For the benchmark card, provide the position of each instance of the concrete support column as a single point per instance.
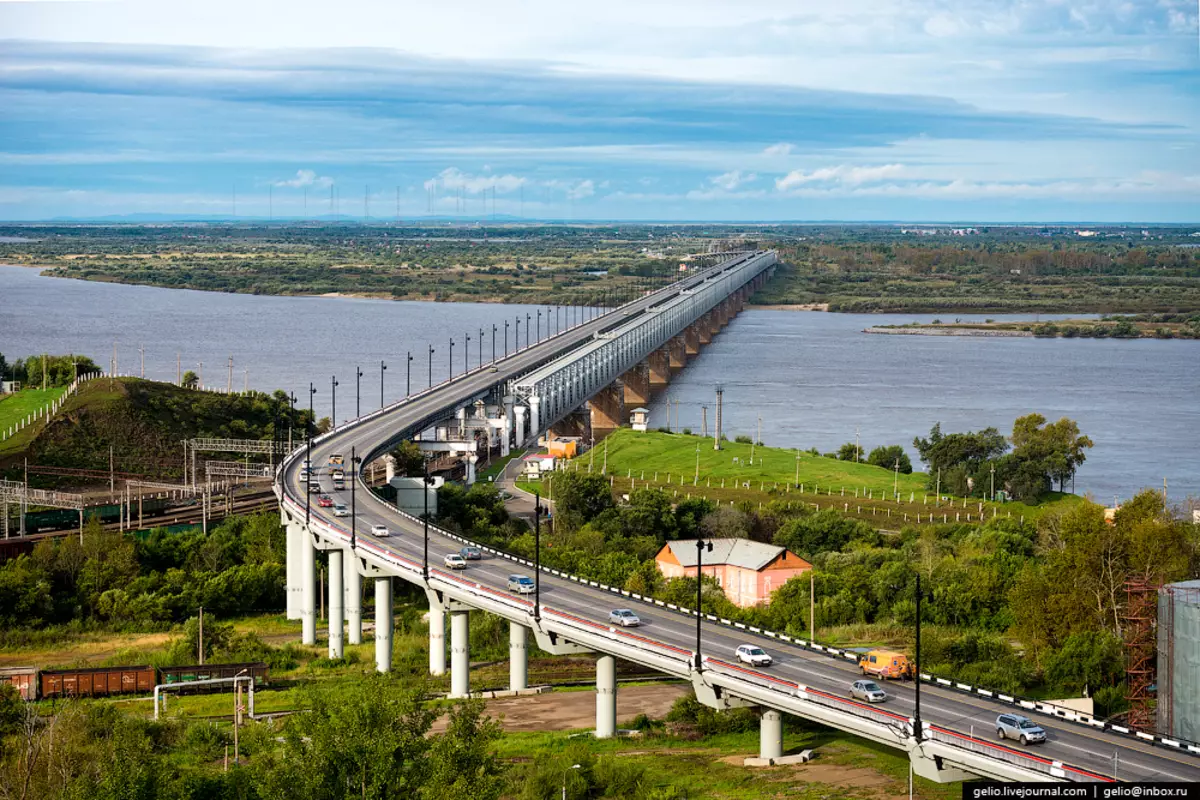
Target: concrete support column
(606, 697)
(703, 331)
(460, 654)
(308, 588)
(691, 340)
(352, 584)
(608, 408)
(770, 735)
(437, 640)
(535, 417)
(519, 425)
(677, 351)
(713, 324)
(337, 597)
(660, 368)
(294, 537)
(472, 460)
(389, 467)
(518, 664)
(383, 624)
(637, 385)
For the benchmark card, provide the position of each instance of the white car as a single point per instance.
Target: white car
(455, 561)
(521, 584)
(380, 531)
(341, 510)
(753, 655)
(623, 617)
(868, 691)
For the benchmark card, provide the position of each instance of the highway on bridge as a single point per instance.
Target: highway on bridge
(1098, 751)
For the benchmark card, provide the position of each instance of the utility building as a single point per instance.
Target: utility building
(749, 572)
(1179, 660)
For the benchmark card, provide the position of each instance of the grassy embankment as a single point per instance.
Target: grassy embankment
(142, 422)
(15, 407)
(668, 461)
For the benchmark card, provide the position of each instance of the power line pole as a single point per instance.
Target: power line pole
(142, 353)
(229, 380)
(704, 421)
(720, 404)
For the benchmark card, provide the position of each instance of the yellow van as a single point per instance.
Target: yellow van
(885, 664)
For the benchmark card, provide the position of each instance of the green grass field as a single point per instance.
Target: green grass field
(15, 407)
(685, 465)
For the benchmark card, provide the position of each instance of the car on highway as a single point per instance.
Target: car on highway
(454, 561)
(521, 584)
(339, 484)
(314, 486)
(380, 531)
(325, 501)
(341, 510)
(753, 655)
(471, 553)
(623, 617)
(1023, 729)
(305, 472)
(869, 691)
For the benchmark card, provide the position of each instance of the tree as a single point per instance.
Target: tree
(1088, 660)
(579, 497)
(888, 457)
(1056, 449)
(190, 380)
(850, 452)
(410, 461)
(970, 450)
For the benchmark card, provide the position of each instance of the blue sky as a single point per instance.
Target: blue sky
(989, 110)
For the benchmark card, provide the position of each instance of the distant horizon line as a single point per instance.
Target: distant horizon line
(508, 219)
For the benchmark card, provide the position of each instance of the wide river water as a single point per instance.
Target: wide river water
(813, 377)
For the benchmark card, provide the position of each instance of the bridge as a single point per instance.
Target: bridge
(607, 360)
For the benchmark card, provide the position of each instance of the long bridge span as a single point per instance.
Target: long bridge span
(616, 357)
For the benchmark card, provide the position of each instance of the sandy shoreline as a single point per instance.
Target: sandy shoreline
(792, 307)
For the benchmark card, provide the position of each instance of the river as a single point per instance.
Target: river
(813, 377)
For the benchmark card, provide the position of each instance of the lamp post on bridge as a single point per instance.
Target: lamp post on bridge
(517, 336)
(430, 366)
(917, 732)
(408, 374)
(333, 382)
(425, 516)
(450, 358)
(354, 462)
(382, 369)
(506, 338)
(493, 344)
(701, 546)
(527, 327)
(537, 555)
(358, 373)
(308, 429)
(466, 353)
(539, 325)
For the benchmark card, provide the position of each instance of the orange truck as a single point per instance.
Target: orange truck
(884, 664)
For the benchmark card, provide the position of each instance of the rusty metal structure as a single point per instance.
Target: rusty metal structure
(1139, 628)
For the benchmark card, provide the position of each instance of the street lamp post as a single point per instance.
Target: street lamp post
(354, 461)
(917, 674)
(480, 364)
(527, 327)
(308, 429)
(539, 325)
(466, 353)
(382, 369)
(701, 546)
(430, 366)
(517, 336)
(425, 518)
(564, 783)
(358, 373)
(450, 359)
(537, 555)
(505, 338)
(408, 374)
(333, 382)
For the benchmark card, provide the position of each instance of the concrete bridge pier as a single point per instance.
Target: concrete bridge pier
(352, 592)
(518, 663)
(383, 624)
(711, 323)
(636, 383)
(535, 417)
(770, 735)
(295, 535)
(691, 341)
(519, 425)
(606, 697)
(308, 587)
(471, 460)
(607, 409)
(460, 654)
(337, 597)
(659, 363)
(677, 352)
(702, 330)
(437, 639)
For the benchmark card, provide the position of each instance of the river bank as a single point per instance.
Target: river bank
(1142, 326)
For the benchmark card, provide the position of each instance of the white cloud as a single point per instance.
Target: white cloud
(780, 149)
(843, 175)
(732, 180)
(305, 178)
(581, 190)
(454, 179)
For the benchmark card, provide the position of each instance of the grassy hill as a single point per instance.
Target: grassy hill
(863, 491)
(143, 423)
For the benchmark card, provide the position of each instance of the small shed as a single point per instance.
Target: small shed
(639, 419)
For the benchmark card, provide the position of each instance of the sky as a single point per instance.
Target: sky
(707, 110)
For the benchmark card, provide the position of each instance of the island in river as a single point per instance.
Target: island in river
(1138, 326)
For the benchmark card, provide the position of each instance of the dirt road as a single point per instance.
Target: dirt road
(562, 711)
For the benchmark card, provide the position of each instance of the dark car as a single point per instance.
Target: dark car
(471, 553)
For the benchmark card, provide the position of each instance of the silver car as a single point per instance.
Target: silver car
(623, 617)
(521, 584)
(753, 655)
(1023, 729)
(868, 691)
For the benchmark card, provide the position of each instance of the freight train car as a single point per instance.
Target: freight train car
(96, 681)
(23, 678)
(183, 675)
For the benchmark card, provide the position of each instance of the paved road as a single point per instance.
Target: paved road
(1072, 744)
